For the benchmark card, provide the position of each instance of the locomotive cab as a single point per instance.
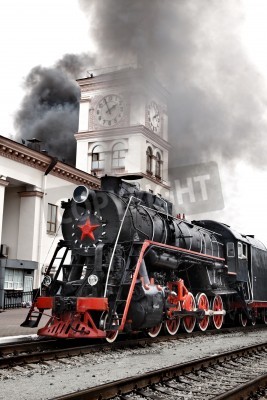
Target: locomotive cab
(246, 258)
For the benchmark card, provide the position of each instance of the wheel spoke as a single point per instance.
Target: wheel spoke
(172, 325)
(203, 304)
(217, 305)
(189, 304)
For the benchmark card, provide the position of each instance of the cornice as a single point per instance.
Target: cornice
(121, 131)
(124, 77)
(4, 182)
(75, 175)
(32, 193)
(34, 159)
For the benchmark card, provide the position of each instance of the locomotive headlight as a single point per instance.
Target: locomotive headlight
(80, 194)
(47, 280)
(92, 280)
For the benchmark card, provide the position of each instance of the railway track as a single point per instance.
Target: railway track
(231, 375)
(19, 354)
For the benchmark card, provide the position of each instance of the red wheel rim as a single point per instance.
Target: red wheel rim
(189, 304)
(153, 332)
(111, 336)
(217, 305)
(203, 304)
(172, 325)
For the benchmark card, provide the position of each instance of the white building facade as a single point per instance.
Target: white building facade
(32, 186)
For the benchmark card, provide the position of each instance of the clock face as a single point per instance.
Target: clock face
(153, 117)
(109, 110)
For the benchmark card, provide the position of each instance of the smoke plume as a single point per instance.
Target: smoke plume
(217, 98)
(49, 111)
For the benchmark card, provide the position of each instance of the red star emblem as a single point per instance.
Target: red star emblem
(87, 229)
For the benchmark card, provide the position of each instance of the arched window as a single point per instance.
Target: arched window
(149, 157)
(97, 158)
(118, 155)
(158, 165)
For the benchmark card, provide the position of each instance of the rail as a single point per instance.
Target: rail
(207, 376)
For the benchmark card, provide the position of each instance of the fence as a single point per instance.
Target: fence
(17, 299)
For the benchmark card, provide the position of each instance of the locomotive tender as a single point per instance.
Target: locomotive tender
(127, 265)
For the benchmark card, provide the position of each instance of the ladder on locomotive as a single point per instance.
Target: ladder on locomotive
(121, 296)
(33, 317)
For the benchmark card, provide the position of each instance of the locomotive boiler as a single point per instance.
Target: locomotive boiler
(126, 264)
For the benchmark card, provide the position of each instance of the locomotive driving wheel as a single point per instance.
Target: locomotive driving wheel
(242, 319)
(253, 319)
(203, 304)
(172, 325)
(154, 332)
(189, 304)
(111, 335)
(217, 305)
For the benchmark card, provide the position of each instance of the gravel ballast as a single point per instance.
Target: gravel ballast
(54, 378)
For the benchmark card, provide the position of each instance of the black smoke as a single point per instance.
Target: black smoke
(217, 98)
(49, 110)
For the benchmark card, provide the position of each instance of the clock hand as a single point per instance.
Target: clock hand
(107, 106)
(114, 106)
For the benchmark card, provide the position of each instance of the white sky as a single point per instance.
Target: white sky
(35, 32)
(40, 32)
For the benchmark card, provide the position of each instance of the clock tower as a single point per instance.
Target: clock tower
(123, 127)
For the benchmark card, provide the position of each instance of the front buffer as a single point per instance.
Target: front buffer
(72, 317)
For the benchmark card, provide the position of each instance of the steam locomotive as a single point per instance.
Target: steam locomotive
(127, 265)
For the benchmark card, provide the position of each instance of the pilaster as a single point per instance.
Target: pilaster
(29, 225)
(3, 184)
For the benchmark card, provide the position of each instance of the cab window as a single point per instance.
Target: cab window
(230, 249)
(242, 250)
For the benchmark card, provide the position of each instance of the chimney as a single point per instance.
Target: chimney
(34, 144)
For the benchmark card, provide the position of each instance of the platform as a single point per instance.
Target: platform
(11, 319)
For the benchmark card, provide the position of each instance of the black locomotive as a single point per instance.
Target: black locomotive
(127, 265)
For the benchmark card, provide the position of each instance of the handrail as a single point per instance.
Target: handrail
(116, 242)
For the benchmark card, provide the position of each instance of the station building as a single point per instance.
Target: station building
(32, 186)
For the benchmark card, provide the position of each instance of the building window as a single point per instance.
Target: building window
(13, 279)
(97, 158)
(158, 166)
(118, 155)
(51, 218)
(149, 157)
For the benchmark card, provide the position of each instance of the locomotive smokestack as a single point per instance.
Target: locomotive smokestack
(111, 183)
